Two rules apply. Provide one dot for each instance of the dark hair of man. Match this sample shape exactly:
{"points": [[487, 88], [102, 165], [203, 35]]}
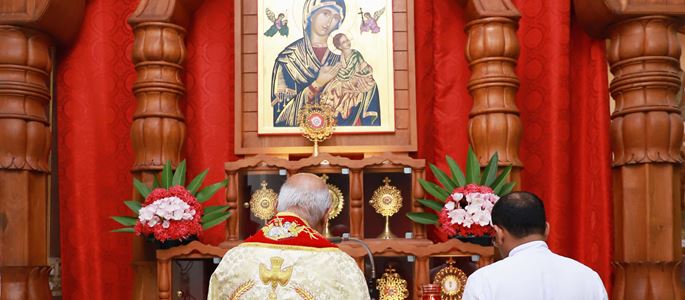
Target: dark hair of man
{"points": [[520, 213]]}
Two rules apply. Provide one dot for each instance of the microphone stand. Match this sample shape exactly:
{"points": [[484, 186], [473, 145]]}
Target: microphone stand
{"points": [[371, 282]]}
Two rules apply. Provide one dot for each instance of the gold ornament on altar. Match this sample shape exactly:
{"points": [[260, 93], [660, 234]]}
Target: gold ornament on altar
{"points": [[263, 202], [337, 203], [387, 201], [451, 281], [317, 122], [391, 286]]}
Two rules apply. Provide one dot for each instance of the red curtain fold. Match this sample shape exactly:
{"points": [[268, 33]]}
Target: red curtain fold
{"points": [[94, 109], [563, 101], [209, 99]]}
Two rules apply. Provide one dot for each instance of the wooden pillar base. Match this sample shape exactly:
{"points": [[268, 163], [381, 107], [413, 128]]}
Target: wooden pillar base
{"points": [[25, 283], [647, 280]]}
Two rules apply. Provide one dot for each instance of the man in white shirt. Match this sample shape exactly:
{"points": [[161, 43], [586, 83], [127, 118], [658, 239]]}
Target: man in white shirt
{"points": [[529, 270]]}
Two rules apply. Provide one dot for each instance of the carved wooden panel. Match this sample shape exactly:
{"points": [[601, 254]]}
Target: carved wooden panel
{"points": [[248, 141]]}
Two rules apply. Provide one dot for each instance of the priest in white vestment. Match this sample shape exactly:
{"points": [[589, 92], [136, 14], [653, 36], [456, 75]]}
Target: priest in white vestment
{"points": [[529, 270], [288, 258]]}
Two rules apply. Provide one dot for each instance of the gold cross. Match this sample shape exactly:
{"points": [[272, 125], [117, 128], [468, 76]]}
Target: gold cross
{"points": [[386, 181], [264, 184], [324, 177]]}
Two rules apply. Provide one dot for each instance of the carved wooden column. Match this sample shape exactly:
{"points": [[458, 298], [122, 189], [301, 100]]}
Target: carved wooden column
{"points": [[356, 204], [158, 128], [28, 32], [492, 50], [419, 230], [647, 131]]}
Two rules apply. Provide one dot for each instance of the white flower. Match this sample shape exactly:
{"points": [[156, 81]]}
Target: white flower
{"points": [[457, 196], [481, 218], [457, 216], [449, 206], [165, 210]]}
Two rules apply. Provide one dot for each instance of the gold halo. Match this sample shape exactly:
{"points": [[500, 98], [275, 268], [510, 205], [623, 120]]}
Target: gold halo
{"points": [[329, 42], [263, 202], [387, 199]]}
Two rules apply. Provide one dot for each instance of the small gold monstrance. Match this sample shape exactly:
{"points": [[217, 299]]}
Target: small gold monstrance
{"points": [[451, 281], [387, 200], [317, 122], [391, 286], [337, 203], [263, 202]]}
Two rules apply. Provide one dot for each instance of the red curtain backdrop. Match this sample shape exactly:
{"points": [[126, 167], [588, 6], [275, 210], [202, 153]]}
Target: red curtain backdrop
{"points": [[563, 102], [94, 110]]}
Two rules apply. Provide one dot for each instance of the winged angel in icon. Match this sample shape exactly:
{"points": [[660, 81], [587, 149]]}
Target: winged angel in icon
{"points": [[370, 23], [280, 24]]}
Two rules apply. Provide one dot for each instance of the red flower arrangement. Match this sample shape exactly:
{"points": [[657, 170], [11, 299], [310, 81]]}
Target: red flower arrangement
{"points": [[164, 215], [172, 211], [464, 201]]}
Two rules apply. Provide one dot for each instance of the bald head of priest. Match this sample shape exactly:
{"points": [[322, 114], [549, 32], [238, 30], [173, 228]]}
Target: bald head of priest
{"points": [[529, 269], [288, 258]]}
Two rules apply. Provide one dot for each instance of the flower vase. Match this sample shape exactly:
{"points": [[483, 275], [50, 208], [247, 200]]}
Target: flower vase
{"points": [[168, 244], [484, 240]]}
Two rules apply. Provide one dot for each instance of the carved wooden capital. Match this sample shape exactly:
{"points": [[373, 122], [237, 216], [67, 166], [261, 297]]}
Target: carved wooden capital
{"points": [[158, 128], [178, 12], [25, 65], [478, 9], [646, 125], [61, 19], [492, 50], [597, 15], [647, 280]]}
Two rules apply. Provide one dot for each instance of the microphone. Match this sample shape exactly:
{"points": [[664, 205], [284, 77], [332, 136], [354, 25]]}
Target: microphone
{"points": [[370, 282]]}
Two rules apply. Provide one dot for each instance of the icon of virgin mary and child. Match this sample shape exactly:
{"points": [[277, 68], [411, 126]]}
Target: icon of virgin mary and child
{"points": [[307, 71]]}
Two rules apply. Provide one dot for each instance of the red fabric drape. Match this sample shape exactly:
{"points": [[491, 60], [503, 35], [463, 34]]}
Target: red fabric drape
{"points": [[94, 110], [563, 102]]}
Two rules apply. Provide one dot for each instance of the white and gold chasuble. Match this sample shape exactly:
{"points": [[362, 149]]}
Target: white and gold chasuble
{"points": [[287, 259]]}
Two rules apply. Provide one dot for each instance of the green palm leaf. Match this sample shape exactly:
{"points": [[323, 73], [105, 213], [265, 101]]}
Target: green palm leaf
{"points": [[435, 205], [445, 180], [125, 229], [126, 221], [212, 223], [472, 168], [211, 209], [197, 182], [457, 174], [501, 180], [434, 190], [133, 205], [180, 175], [141, 187], [423, 218], [209, 191], [166, 175], [507, 188], [490, 171]]}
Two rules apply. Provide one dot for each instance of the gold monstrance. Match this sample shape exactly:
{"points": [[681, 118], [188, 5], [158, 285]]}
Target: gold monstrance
{"points": [[317, 122], [391, 286], [387, 200], [337, 203], [263, 202], [451, 281]]}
